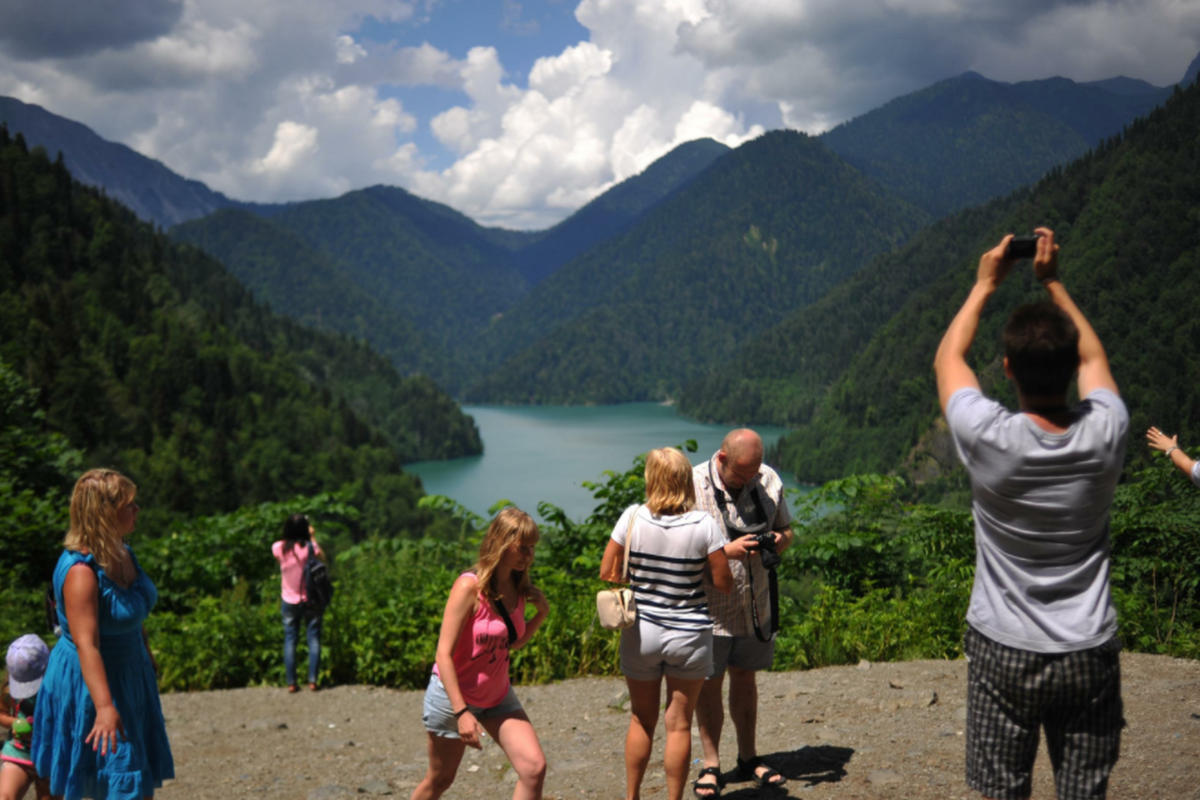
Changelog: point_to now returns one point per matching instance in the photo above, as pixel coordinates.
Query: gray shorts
(438, 714)
(743, 652)
(1013, 693)
(650, 651)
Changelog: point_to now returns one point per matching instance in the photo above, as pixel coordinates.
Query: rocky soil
(872, 731)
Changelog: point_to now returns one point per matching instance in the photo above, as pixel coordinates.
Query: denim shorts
(438, 713)
(649, 651)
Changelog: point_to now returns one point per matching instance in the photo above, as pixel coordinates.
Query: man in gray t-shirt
(1041, 641)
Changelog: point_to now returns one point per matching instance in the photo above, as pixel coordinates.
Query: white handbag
(615, 606)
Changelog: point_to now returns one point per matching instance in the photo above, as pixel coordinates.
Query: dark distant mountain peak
(617, 210)
(147, 187)
(972, 75)
(1122, 85)
(1193, 69)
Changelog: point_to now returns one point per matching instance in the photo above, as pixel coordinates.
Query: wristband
(458, 714)
(1170, 450)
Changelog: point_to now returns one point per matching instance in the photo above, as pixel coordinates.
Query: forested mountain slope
(618, 209)
(306, 284)
(780, 377)
(1127, 218)
(966, 140)
(416, 277)
(150, 357)
(145, 186)
(766, 229)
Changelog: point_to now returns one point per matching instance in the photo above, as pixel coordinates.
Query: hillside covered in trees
(1126, 215)
(148, 356)
(766, 229)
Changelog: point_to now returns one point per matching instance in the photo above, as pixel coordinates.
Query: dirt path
(842, 732)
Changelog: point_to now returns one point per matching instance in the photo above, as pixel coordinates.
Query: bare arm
(81, 592)
(1094, 372)
(1170, 445)
(531, 625)
(460, 606)
(950, 364)
(719, 572)
(613, 562)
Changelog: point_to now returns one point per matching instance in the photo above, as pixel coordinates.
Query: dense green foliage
(766, 229)
(965, 140)
(1126, 218)
(150, 357)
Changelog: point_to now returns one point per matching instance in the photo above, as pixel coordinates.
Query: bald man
(746, 499)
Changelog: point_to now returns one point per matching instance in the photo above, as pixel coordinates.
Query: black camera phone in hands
(1022, 247)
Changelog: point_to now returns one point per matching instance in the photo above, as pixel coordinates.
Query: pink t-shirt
(292, 566)
(481, 654)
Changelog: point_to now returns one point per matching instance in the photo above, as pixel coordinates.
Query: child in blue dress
(101, 677)
(26, 661)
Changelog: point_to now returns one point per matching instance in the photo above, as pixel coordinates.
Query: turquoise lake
(545, 453)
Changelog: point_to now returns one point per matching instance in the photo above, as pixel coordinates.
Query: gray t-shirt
(666, 564)
(1041, 504)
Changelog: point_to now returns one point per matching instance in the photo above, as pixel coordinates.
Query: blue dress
(65, 712)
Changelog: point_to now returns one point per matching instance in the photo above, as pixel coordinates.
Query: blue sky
(521, 33)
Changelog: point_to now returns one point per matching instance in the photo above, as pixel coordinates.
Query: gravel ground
(871, 731)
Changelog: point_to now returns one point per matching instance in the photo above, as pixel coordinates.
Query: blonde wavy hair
(512, 527)
(669, 486)
(98, 498)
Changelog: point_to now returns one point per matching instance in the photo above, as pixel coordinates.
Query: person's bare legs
(681, 704)
(445, 754)
(743, 710)
(639, 741)
(14, 781)
(517, 738)
(710, 716)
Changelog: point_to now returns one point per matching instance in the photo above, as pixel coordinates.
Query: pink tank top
(481, 654)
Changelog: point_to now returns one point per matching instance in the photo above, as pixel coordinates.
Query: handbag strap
(628, 545)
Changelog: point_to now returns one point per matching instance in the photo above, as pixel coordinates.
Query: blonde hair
(511, 527)
(97, 499)
(669, 486)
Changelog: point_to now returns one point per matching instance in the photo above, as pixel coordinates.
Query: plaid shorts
(1011, 693)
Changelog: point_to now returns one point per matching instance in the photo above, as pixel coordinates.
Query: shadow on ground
(807, 766)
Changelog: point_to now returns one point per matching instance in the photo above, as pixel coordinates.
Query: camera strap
(773, 591)
(760, 512)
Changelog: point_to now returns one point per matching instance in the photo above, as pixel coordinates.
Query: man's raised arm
(1094, 372)
(950, 365)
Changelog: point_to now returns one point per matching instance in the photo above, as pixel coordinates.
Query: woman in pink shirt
(292, 552)
(469, 691)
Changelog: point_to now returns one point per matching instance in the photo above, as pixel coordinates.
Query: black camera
(766, 546)
(1022, 247)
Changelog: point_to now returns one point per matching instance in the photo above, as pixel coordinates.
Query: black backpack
(318, 588)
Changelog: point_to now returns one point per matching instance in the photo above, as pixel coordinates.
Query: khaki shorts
(743, 652)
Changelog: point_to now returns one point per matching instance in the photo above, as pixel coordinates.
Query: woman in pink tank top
(469, 691)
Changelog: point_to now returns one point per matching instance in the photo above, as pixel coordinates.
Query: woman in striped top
(670, 547)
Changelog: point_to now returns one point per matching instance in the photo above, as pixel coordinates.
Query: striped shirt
(666, 565)
(731, 612)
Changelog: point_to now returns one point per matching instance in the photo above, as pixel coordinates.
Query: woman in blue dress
(99, 731)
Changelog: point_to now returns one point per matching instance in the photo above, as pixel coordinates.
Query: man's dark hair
(1042, 346)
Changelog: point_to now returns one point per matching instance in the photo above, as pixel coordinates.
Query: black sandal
(747, 770)
(715, 788)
